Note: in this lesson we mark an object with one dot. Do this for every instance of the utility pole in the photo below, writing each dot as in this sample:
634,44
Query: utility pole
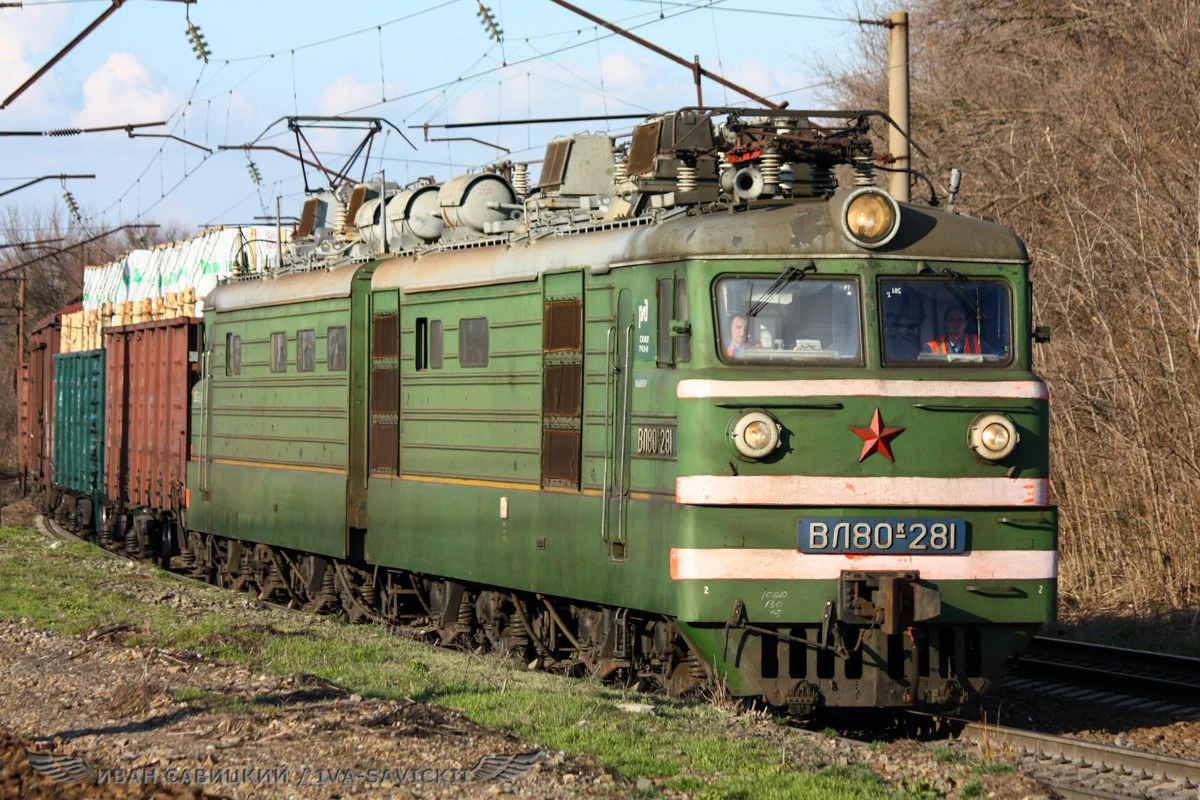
20,321
279,227
898,144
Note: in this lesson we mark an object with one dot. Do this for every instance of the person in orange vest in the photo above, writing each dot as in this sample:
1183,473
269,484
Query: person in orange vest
737,337
955,339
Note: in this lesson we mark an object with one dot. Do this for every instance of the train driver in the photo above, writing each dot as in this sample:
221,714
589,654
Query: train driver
737,336
955,339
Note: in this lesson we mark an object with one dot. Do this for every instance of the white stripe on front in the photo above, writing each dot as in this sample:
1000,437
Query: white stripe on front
1007,390
807,490
734,563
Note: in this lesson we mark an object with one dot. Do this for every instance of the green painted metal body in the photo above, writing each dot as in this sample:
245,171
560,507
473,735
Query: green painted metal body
79,422
469,501
276,454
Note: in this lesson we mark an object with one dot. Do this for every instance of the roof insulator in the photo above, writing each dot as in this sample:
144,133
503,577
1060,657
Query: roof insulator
255,175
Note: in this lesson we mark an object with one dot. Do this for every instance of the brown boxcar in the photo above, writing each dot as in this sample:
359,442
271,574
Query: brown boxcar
36,450
151,369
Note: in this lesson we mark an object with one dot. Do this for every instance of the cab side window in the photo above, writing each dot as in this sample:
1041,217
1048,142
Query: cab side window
473,342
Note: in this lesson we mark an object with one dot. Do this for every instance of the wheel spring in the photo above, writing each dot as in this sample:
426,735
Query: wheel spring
131,541
246,568
328,589
466,613
517,637
695,668
369,595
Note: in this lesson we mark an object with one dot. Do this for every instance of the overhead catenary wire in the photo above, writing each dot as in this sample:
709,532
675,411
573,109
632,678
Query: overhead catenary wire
436,91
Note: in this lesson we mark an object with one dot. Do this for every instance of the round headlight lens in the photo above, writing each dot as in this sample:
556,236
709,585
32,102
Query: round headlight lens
993,436
871,217
756,434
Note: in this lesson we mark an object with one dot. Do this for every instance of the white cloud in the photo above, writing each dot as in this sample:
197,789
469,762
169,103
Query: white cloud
121,90
342,96
348,93
27,38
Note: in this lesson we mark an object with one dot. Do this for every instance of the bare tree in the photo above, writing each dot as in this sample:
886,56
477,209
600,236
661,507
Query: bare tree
1076,126
50,284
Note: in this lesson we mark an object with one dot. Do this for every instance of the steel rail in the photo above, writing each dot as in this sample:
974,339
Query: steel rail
1168,677
1075,768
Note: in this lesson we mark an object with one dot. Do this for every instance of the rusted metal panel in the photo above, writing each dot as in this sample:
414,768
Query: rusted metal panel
563,328
307,217
152,367
23,454
385,390
644,148
562,392
43,345
383,449
357,196
560,458
385,340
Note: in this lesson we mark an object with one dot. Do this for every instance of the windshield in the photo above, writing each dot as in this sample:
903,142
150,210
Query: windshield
945,321
789,319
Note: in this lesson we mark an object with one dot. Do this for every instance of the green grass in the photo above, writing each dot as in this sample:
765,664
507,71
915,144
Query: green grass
970,789
946,754
993,768
74,588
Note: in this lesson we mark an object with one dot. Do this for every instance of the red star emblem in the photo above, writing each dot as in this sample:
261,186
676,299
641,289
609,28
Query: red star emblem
876,437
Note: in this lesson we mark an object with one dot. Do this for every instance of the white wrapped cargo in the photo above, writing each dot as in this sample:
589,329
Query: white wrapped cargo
176,277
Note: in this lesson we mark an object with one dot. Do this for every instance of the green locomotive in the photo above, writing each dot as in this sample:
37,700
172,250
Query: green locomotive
691,413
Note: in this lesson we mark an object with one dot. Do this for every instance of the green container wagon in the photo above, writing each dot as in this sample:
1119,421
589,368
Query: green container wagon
79,426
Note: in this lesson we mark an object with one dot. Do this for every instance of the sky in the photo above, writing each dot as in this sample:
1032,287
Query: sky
410,62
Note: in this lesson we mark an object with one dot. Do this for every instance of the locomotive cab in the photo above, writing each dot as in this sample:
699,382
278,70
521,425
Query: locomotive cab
863,483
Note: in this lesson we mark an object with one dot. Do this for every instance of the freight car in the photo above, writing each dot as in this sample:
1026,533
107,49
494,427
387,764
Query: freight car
693,412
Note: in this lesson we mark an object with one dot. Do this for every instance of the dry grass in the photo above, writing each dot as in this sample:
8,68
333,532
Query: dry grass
1075,125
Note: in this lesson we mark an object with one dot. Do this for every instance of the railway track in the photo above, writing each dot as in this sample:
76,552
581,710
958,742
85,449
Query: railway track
1120,678
1071,768
1074,768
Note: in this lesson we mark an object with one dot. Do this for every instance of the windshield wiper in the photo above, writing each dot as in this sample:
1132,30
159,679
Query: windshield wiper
958,277
789,275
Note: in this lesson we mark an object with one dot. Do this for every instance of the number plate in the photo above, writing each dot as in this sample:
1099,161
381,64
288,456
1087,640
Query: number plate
882,535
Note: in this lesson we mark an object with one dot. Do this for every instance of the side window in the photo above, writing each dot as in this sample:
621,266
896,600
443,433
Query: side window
335,343
279,352
473,342
672,307
306,351
233,354
666,299
435,344
421,348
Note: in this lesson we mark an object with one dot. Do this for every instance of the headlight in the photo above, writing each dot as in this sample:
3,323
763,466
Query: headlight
756,434
871,218
993,436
